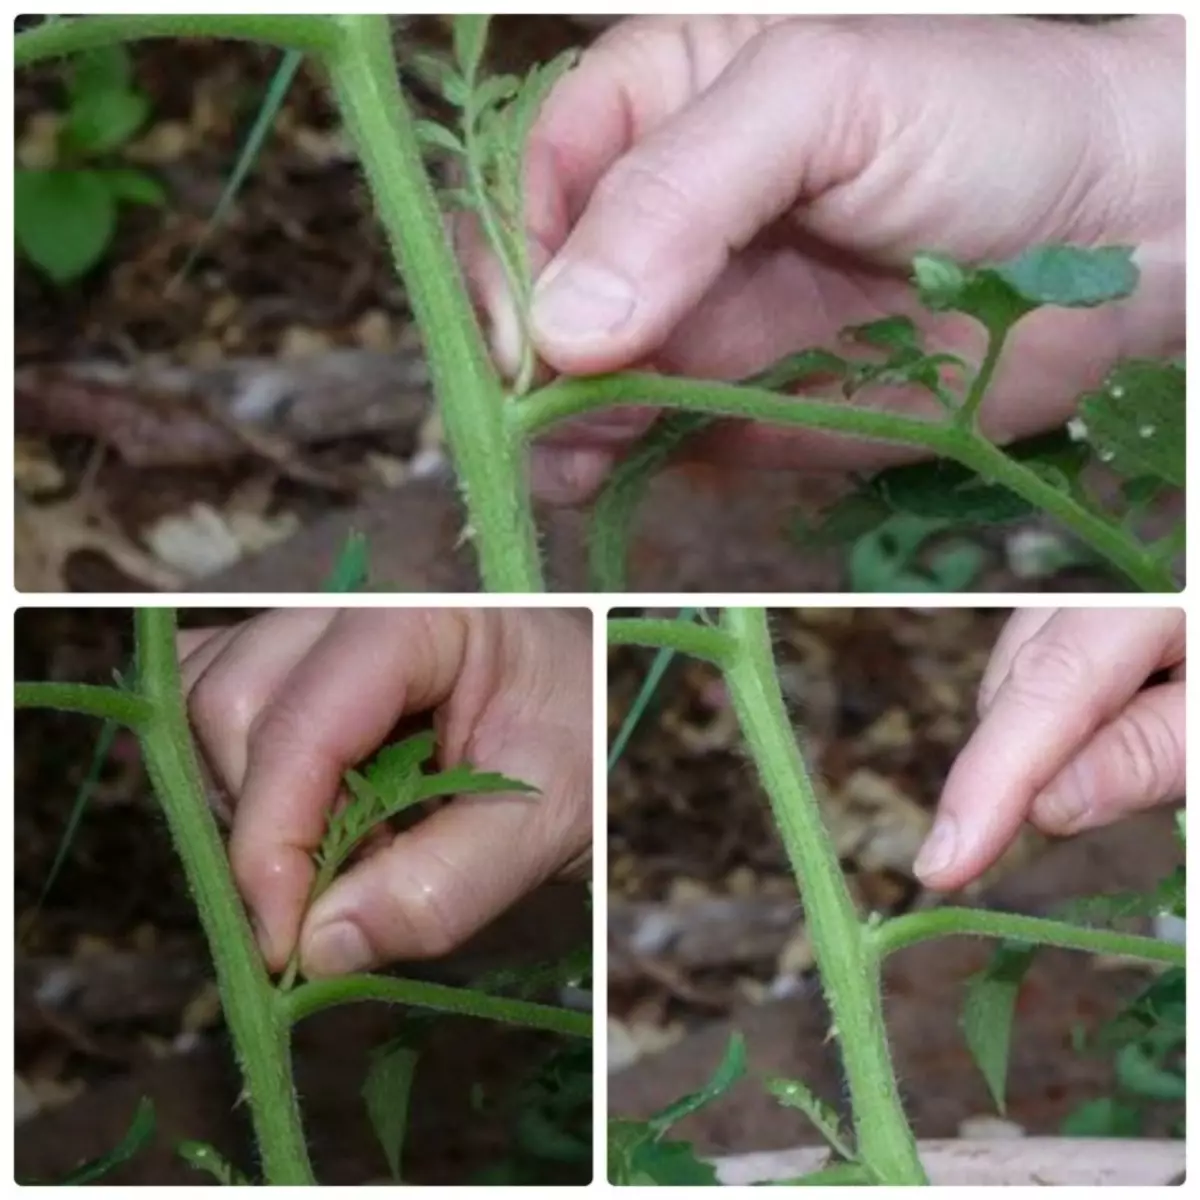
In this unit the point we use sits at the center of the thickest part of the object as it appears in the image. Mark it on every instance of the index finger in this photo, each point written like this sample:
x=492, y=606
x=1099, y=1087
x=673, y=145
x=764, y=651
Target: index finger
x=1077, y=671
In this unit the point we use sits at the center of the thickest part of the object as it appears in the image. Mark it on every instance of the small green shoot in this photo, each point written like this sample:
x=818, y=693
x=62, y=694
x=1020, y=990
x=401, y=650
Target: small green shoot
x=791, y=1093
x=206, y=1158
x=65, y=215
x=352, y=571
x=137, y=1137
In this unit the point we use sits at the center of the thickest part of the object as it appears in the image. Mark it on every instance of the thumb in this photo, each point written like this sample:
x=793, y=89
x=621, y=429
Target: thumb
x=662, y=223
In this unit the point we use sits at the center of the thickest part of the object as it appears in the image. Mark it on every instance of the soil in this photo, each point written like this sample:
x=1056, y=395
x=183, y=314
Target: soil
x=115, y=494
x=706, y=936
x=114, y=992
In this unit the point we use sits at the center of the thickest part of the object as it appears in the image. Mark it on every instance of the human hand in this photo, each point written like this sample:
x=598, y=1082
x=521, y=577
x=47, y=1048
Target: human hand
x=284, y=703
x=1071, y=735
x=713, y=193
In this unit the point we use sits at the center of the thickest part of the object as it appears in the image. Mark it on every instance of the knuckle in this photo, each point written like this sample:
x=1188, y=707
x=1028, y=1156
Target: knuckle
x=220, y=707
x=645, y=189
x=1147, y=746
x=428, y=900
x=1045, y=672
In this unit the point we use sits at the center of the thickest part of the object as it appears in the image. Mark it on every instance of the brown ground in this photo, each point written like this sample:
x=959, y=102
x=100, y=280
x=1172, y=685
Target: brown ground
x=705, y=935
x=114, y=999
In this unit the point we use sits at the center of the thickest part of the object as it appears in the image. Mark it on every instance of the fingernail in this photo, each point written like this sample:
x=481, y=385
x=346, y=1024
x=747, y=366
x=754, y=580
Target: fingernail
x=560, y=476
x=581, y=301
x=336, y=949
x=939, y=849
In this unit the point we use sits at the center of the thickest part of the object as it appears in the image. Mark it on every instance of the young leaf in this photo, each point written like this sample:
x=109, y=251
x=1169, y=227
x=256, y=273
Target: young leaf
x=807, y=365
x=1105, y=1117
x=731, y=1069
x=637, y=1158
x=205, y=1158
x=104, y=69
x=137, y=1137
x=1142, y=1069
x=988, y=1012
x=791, y=1093
x=352, y=570
x=102, y=121
x=64, y=220
x=386, y=1092
x=126, y=183
x=1137, y=421
x=470, y=41
x=438, y=136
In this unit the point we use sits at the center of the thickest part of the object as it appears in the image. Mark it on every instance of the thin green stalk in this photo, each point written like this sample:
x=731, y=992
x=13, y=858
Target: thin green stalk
x=313, y=35
x=110, y=703
x=848, y=967
x=567, y=399
x=257, y=1020
x=907, y=930
x=488, y=449
x=966, y=416
x=688, y=637
x=317, y=994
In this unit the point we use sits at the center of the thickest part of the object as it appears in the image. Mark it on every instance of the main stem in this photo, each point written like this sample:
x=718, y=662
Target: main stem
x=257, y=1021
x=850, y=970
x=488, y=447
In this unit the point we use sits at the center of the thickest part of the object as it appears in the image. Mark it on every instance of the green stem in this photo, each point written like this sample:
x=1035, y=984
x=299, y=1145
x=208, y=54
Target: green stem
x=317, y=994
x=911, y=928
x=108, y=702
x=688, y=637
x=966, y=416
x=571, y=398
x=313, y=35
x=257, y=1020
x=848, y=966
x=488, y=448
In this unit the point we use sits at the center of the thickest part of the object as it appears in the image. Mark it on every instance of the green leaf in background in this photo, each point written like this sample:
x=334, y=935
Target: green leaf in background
x=885, y=560
x=1145, y=1069
x=386, y=1092
x=132, y=185
x=470, y=41
x=1105, y=1117
x=806, y=365
x=637, y=1158
x=988, y=1012
x=731, y=1069
x=102, y=121
x=1137, y=421
x=104, y=69
x=64, y=220
x=206, y=1158
x=792, y=1093
x=352, y=569
x=137, y=1137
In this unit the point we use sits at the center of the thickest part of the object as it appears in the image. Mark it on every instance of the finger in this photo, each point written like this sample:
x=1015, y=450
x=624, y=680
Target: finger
x=232, y=678
x=1023, y=624
x=336, y=706
x=443, y=880
x=189, y=641
x=1134, y=762
x=662, y=223
x=1081, y=668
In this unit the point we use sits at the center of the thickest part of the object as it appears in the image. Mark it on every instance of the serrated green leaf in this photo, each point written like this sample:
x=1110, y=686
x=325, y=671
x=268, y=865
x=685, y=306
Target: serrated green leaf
x=731, y=1069
x=439, y=75
x=64, y=220
x=888, y=333
x=1137, y=421
x=137, y=1137
x=988, y=1012
x=494, y=90
x=204, y=1157
x=792, y=1093
x=395, y=767
x=462, y=780
x=470, y=41
x=386, y=1092
x=352, y=570
x=431, y=133
x=134, y=186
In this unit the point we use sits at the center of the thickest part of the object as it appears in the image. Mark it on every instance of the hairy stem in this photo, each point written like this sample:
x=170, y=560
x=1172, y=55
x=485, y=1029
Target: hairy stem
x=911, y=928
x=317, y=994
x=688, y=637
x=71, y=35
x=256, y=1018
x=108, y=702
x=488, y=449
x=567, y=399
x=849, y=969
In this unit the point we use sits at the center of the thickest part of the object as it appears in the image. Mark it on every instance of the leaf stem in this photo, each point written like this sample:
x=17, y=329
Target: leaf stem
x=849, y=970
x=488, y=448
x=911, y=928
x=966, y=416
x=688, y=637
x=312, y=34
x=571, y=398
x=257, y=1020
x=316, y=994
x=110, y=703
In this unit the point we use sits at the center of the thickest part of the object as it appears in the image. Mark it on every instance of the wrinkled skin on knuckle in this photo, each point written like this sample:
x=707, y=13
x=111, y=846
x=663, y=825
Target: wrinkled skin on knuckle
x=1046, y=673
x=1148, y=746
x=423, y=893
